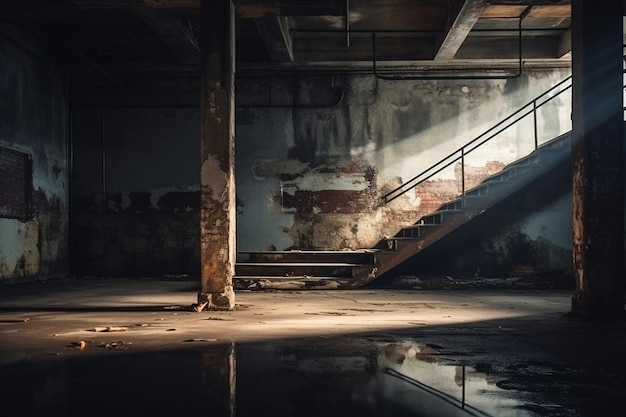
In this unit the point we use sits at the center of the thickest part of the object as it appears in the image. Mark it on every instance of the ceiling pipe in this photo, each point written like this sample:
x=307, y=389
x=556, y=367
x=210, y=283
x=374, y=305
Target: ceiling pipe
x=412, y=74
x=400, y=77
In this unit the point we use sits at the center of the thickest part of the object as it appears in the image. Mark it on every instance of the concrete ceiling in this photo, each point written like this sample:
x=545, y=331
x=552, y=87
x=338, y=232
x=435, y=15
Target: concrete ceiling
x=395, y=38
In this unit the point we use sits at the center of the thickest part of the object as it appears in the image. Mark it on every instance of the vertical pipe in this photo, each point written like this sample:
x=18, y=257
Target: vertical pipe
x=463, y=389
x=103, y=182
x=70, y=175
x=374, y=52
x=462, y=177
x=535, y=124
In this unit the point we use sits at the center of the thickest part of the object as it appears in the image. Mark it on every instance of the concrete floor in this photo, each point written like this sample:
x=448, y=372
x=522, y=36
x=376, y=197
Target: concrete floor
x=124, y=346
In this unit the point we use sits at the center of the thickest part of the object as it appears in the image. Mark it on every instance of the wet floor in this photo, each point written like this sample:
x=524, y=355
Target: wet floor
x=361, y=376
x=135, y=348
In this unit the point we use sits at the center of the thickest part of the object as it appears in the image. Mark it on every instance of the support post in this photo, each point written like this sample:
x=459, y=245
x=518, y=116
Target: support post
x=597, y=154
x=217, y=153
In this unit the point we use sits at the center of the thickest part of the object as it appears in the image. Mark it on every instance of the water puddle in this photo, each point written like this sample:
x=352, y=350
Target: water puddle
x=321, y=377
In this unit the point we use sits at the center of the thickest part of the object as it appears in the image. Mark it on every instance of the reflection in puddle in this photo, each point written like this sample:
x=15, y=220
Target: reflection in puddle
x=297, y=378
x=473, y=390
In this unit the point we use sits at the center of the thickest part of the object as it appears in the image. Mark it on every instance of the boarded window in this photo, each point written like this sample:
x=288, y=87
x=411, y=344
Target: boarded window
x=15, y=184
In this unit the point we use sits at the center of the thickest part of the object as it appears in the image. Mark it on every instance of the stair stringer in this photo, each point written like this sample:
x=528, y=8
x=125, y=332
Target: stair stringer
x=405, y=248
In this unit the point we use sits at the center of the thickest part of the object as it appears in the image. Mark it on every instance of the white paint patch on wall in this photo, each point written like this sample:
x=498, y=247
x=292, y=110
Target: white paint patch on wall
x=323, y=181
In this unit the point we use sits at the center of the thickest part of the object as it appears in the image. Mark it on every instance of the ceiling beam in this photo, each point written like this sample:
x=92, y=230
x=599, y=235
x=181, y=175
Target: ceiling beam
x=462, y=24
x=494, y=48
x=275, y=34
x=565, y=43
x=316, y=49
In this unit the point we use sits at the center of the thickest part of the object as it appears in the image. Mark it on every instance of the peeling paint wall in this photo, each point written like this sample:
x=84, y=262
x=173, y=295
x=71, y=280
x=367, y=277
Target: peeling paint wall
x=33, y=120
x=314, y=154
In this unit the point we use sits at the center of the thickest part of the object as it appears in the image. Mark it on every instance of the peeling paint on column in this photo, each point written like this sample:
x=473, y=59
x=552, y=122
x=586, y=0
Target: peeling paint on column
x=217, y=232
x=214, y=178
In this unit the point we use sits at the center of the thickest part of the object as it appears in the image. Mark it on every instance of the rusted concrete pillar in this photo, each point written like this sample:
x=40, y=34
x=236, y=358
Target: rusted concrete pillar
x=598, y=152
x=217, y=153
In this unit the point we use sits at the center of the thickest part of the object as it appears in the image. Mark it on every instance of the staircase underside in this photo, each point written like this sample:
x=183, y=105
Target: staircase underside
x=295, y=269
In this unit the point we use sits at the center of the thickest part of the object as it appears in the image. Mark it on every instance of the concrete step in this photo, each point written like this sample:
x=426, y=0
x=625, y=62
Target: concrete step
x=439, y=217
x=417, y=231
x=296, y=269
x=308, y=256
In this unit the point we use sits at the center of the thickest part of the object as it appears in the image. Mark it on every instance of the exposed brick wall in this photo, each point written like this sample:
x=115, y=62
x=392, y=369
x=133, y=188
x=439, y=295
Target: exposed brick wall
x=15, y=183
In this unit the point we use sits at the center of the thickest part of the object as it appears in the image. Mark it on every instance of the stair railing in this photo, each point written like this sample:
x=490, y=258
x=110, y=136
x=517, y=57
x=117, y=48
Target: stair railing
x=459, y=155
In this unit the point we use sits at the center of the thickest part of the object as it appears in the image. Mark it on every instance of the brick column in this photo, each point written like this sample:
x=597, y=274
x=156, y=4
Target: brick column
x=217, y=153
x=597, y=153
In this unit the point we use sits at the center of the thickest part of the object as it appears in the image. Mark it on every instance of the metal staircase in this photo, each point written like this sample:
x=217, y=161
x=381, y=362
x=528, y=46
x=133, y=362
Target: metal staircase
x=352, y=269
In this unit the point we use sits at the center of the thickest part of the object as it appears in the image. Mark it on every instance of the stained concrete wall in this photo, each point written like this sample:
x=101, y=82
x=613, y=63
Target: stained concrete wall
x=316, y=153
x=313, y=156
x=33, y=121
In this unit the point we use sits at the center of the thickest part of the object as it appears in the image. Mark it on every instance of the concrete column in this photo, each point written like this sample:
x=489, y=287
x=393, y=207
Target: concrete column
x=217, y=153
x=597, y=152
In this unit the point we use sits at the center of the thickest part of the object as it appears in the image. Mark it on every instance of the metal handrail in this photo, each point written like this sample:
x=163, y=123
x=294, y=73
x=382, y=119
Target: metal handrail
x=480, y=140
